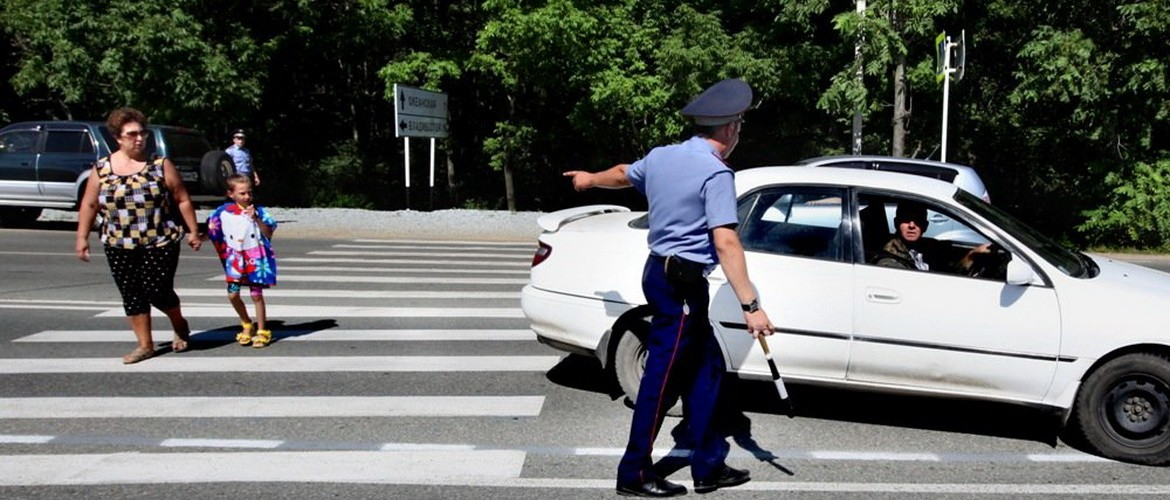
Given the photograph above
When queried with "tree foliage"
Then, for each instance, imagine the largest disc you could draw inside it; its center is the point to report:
(1064, 109)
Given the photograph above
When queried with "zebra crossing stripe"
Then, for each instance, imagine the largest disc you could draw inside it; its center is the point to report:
(283, 364)
(369, 269)
(329, 335)
(315, 278)
(369, 262)
(430, 243)
(353, 294)
(369, 467)
(519, 251)
(418, 253)
(271, 407)
(301, 311)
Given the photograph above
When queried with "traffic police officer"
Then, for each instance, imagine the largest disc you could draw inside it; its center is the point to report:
(691, 192)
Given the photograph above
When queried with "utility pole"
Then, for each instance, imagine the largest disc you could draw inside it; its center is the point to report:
(857, 113)
(946, 70)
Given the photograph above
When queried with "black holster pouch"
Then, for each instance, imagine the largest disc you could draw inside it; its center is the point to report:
(683, 272)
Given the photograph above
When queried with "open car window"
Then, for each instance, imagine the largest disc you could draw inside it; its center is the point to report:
(794, 220)
(925, 248)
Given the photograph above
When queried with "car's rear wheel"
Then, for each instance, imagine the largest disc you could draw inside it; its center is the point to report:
(214, 170)
(629, 364)
(1123, 409)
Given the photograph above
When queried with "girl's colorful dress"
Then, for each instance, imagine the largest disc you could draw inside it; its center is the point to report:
(246, 254)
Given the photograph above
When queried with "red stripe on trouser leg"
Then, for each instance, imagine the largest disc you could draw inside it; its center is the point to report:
(666, 381)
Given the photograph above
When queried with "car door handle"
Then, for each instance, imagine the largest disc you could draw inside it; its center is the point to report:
(882, 295)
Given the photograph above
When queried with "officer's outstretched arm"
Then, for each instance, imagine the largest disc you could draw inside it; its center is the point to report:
(613, 178)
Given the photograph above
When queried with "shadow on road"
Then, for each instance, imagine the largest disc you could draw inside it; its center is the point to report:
(759, 397)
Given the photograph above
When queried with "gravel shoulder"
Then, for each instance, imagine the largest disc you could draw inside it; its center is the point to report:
(349, 223)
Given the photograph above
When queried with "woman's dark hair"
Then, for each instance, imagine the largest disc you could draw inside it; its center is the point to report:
(121, 116)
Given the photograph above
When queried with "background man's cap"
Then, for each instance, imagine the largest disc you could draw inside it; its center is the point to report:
(908, 210)
(722, 103)
(238, 132)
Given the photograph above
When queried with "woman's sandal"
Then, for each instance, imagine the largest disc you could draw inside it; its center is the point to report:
(262, 338)
(138, 354)
(245, 337)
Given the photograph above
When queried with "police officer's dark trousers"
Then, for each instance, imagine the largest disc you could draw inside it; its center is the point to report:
(683, 359)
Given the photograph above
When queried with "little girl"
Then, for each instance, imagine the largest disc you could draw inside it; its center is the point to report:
(241, 232)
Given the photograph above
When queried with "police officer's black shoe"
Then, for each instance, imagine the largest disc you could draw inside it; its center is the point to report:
(657, 487)
(723, 478)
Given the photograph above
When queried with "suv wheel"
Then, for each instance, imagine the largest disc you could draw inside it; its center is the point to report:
(214, 170)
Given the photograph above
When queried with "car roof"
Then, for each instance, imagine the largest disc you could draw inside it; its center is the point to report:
(752, 178)
(965, 177)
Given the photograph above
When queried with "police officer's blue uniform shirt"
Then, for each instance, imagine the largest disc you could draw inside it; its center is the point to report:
(673, 178)
(241, 157)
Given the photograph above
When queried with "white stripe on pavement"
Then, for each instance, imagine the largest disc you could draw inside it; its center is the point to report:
(486, 468)
(294, 311)
(519, 251)
(371, 467)
(368, 269)
(427, 243)
(424, 253)
(460, 264)
(783, 455)
(272, 407)
(285, 278)
(328, 335)
(283, 364)
(350, 294)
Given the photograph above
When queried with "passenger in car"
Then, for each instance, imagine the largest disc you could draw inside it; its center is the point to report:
(909, 249)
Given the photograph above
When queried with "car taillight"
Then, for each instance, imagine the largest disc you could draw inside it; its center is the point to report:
(542, 252)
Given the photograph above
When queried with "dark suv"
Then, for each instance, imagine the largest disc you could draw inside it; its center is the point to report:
(46, 164)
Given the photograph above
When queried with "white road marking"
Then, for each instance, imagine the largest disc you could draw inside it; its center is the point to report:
(370, 467)
(272, 407)
(352, 294)
(367, 269)
(353, 260)
(420, 253)
(285, 278)
(482, 468)
(327, 335)
(283, 364)
(221, 443)
(294, 311)
(429, 243)
(518, 251)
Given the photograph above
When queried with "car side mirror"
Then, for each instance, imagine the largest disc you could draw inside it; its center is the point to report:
(1019, 273)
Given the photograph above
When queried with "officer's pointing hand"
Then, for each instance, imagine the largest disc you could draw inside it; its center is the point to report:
(581, 180)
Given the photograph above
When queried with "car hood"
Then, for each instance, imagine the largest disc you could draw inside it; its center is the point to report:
(1125, 276)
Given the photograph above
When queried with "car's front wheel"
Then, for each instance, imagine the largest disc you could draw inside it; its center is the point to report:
(629, 364)
(1123, 409)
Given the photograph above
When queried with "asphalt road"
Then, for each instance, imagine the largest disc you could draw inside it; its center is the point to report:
(404, 369)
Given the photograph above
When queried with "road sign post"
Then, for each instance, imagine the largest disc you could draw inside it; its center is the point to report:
(419, 113)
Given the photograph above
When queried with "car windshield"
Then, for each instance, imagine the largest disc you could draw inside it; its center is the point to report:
(1069, 262)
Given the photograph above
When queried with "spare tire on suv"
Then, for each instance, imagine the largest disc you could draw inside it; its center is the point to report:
(214, 170)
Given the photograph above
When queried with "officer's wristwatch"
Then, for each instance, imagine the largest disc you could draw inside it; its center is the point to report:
(752, 306)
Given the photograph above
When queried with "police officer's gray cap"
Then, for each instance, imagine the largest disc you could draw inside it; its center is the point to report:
(720, 104)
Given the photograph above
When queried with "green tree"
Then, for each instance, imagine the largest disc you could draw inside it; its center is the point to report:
(79, 60)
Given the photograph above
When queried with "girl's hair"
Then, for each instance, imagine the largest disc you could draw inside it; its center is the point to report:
(121, 116)
(237, 179)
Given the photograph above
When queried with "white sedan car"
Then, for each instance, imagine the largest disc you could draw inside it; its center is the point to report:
(1030, 323)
